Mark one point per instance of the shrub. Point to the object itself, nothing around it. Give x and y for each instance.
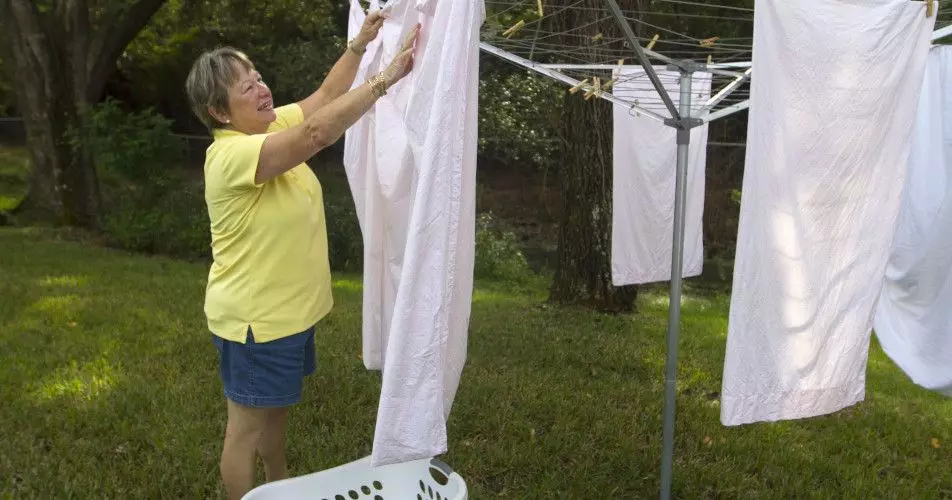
(344, 239)
(149, 204)
(497, 253)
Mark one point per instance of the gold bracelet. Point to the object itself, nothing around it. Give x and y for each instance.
(353, 48)
(378, 86)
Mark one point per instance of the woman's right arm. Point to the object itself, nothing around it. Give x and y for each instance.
(288, 148)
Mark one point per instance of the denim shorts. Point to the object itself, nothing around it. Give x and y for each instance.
(269, 374)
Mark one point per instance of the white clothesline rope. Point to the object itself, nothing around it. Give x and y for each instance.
(516, 32)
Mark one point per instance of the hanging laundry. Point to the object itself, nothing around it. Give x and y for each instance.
(914, 316)
(833, 102)
(645, 164)
(411, 164)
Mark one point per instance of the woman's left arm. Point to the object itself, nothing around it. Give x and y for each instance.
(341, 76)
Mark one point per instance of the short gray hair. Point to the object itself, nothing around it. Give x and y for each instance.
(208, 81)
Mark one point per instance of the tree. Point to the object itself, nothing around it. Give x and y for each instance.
(62, 54)
(583, 272)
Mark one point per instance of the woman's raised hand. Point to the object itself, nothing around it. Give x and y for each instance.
(369, 30)
(403, 63)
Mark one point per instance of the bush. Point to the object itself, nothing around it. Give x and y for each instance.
(519, 118)
(149, 205)
(497, 253)
(174, 223)
(344, 239)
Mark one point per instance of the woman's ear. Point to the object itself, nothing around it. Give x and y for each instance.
(218, 115)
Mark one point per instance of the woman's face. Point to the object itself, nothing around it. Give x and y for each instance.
(250, 104)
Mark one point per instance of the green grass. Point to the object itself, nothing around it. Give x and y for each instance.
(14, 169)
(109, 390)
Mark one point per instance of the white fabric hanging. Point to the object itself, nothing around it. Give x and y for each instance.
(411, 164)
(914, 316)
(833, 102)
(644, 168)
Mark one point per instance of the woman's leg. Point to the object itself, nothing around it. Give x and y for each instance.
(242, 434)
(271, 445)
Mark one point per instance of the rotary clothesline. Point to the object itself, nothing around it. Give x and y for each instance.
(574, 53)
(581, 53)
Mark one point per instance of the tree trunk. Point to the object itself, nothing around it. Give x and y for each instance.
(583, 274)
(60, 70)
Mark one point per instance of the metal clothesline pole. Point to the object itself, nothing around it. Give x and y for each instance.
(683, 122)
(674, 301)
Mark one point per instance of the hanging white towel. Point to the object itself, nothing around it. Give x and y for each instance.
(833, 102)
(914, 316)
(411, 163)
(645, 163)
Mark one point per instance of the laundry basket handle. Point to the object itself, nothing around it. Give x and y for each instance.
(442, 466)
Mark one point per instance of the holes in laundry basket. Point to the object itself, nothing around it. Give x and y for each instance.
(339, 497)
(439, 476)
(418, 497)
(365, 489)
(378, 485)
(430, 491)
(422, 487)
(378, 497)
(353, 494)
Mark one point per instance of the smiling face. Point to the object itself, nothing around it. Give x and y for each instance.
(250, 104)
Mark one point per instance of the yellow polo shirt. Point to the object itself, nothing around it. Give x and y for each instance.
(269, 241)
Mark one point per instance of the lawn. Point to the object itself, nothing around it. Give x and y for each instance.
(109, 390)
(13, 176)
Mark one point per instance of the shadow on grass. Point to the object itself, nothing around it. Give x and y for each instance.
(554, 402)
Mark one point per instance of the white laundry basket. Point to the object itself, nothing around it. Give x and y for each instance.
(416, 480)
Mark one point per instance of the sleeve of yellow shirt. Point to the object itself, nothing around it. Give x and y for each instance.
(234, 159)
(233, 163)
(288, 116)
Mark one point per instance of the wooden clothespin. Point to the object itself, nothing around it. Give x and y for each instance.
(654, 40)
(707, 42)
(597, 38)
(512, 31)
(617, 72)
(930, 7)
(541, 12)
(710, 59)
(582, 84)
(595, 90)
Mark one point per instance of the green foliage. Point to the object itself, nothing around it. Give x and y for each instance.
(498, 255)
(292, 43)
(135, 147)
(735, 196)
(519, 118)
(149, 204)
(14, 177)
(344, 239)
(174, 222)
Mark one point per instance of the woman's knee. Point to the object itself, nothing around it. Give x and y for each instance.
(245, 424)
(272, 440)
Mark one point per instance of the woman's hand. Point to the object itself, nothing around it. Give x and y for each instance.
(369, 30)
(403, 63)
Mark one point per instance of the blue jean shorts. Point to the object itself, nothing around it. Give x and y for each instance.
(269, 374)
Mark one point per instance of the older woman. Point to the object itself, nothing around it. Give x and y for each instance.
(270, 280)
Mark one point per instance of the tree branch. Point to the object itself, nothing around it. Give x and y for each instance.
(117, 29)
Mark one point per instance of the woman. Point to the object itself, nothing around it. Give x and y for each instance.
(270, 280)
